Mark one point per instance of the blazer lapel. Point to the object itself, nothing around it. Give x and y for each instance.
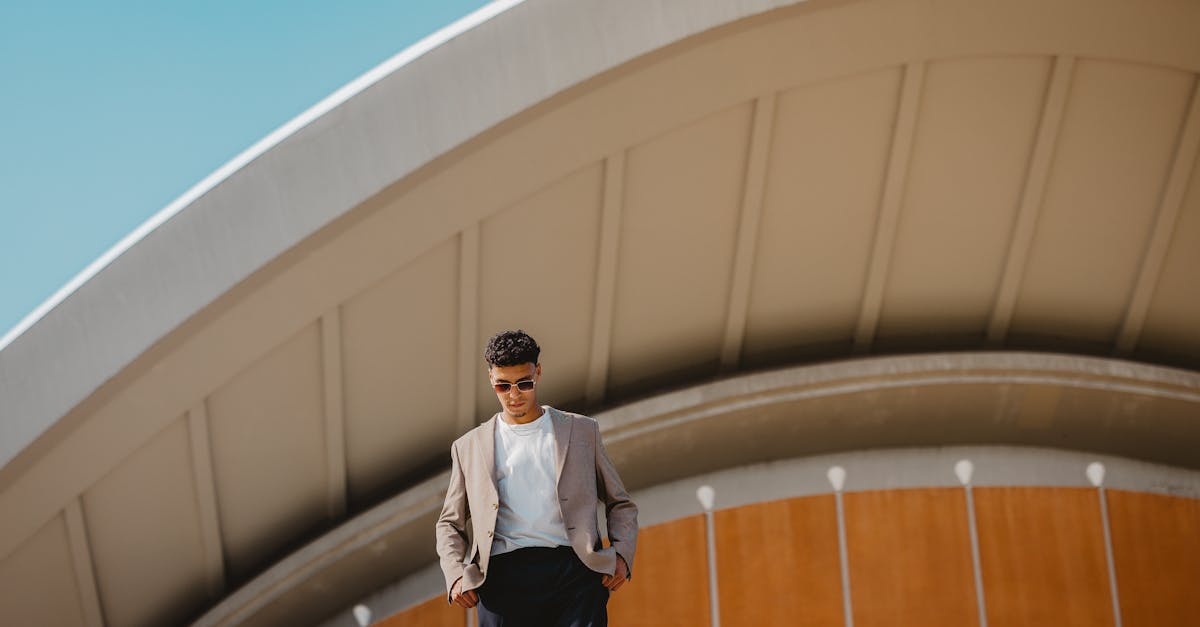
(562, 436)
(487, 446)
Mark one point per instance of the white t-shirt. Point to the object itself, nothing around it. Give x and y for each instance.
(525, 475)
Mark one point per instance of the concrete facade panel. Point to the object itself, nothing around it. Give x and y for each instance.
(400, 370)
(538, 272)
(145, 537)
(974, 137)
(268, 449)
(687, 183)
(1175, 307)
(1119, 133)
(824, 178)
(37, 581)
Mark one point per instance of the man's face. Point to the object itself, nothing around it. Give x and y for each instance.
(515, 402)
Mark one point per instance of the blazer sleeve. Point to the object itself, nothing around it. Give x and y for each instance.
(619, 510)
(452, 523)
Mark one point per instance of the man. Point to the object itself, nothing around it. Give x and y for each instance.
(529, 480)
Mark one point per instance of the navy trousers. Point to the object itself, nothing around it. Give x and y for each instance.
(542, 587)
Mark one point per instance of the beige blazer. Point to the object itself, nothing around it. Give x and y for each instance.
(585, 476)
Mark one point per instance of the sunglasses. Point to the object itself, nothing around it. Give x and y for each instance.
(524, 386)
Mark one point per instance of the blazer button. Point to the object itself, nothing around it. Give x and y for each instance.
(489, 534)
(495, 506)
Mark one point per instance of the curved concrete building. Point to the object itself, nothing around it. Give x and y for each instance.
(911, 285)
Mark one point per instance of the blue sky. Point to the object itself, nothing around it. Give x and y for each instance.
(109, 111)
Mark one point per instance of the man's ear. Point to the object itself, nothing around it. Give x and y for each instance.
(537, 369)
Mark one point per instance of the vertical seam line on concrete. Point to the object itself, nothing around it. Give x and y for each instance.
(206, 499)
(888, 218)
(758, 154)
(335, 419)
(976, 562)
(81, 558)
(606, 277)
(468, 322)
(1164, 226)
(1021, 241)
(844, 559)
(1108, 557)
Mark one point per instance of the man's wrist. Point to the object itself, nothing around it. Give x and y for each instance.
(625, 562)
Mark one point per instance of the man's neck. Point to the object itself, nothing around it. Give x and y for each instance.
(529, 416)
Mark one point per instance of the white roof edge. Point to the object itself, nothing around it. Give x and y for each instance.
(327, 104)
(114, 310)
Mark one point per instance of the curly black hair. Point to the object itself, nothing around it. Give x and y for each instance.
(511, 348)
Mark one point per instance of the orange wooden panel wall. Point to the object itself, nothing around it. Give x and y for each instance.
(1042, 557)
(432, 613)
(778, 563)
(670, 578)
(1041, 553)
(1156, 550)
(910, 558)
